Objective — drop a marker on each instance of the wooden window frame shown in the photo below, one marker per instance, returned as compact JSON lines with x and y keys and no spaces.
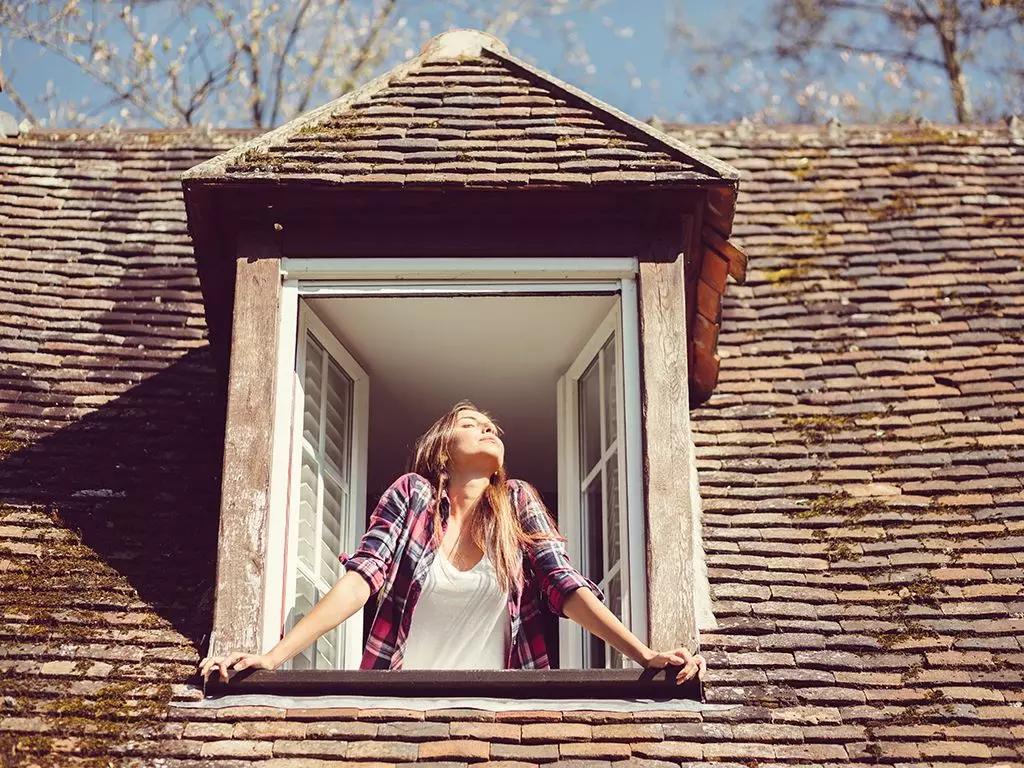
{"x":265,"y":316}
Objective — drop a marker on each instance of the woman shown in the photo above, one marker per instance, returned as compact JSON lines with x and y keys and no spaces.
{"x":461,"y":558}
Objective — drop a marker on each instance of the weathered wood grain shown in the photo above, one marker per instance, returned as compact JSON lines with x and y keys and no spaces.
{"x":668,"y":444}
{"x":248,"y":450}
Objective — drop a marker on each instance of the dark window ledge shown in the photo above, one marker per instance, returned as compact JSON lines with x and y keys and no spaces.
{"x":507,"y":684}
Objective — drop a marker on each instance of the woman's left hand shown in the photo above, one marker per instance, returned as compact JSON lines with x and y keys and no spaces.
{"x":691,"y":663}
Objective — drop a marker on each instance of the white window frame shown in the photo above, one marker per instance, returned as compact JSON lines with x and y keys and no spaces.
{"x":634,"y":583}
{"x":282,"y":530}
{"x":324,"y":277}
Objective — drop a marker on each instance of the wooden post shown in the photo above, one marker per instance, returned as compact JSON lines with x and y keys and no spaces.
{"x":248,"y":450}
{"x":668,"y":444}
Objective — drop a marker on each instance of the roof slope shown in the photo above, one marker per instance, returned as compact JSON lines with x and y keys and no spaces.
{"x":466,"y":112}
{"x":860,"y":465}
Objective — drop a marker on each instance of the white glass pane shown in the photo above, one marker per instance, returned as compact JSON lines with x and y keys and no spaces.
{"x":308,"y":483}
{"x":614,"y":595}
{"x":612,"y":507}
{"x":593,"y":515}
{"x":327,"y":649}
{"x":590,"y":418}
{"x":311,"y":385}
{"x":610,"y":391}
{"x":337,"y":417}
{"x":305,"y":599}
{"x":331,"y":532}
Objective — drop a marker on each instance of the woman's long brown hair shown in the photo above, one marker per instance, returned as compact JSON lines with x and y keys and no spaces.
{"x":497,"y":531}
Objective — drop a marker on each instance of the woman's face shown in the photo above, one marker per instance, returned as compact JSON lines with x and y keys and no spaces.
{"x":475,"y":443}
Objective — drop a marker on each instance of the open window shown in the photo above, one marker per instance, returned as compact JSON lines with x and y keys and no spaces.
{"x":328,"y":485}
{"x":377,"y":360}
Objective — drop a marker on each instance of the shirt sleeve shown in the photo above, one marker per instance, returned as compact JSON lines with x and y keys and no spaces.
{"x":379,"y":544}
{"x":550,"y":562}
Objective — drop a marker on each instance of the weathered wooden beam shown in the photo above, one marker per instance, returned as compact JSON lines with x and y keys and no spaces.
{"x":510,"y":683}
{"x":709,"y":302}
{"x":668,"y":442}
{"x":248,"y":449}
{"x":735,"y":255}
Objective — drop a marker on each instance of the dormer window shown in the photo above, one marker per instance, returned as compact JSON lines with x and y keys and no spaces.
{"x":367,"y":244}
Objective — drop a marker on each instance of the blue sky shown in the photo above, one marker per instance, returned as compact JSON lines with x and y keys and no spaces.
{"x":632,"y":66}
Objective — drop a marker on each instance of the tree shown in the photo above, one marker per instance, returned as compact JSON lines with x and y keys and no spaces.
{"x":879,"y":59}
{"x":174,"y":63}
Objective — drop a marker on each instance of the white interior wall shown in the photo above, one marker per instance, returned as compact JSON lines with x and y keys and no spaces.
{"x":505,"y":353}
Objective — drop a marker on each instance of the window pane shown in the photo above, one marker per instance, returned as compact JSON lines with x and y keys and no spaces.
{"x":311,"y":384}
{"x":327,"y":650}
{"x":308,"y":484}
{"x":597,"y":652}
{"x":590,"y":418}
{"x":610,"y":392}
{"x":331,"y":533}
{"x":614,"y":595}
{"x":339,"y":404}
{"x":305,"y":599}
{"x":612,"y":502}
{"x":594,"y":516}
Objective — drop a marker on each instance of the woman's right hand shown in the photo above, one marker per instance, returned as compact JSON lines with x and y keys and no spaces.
{"x":237,"y":661}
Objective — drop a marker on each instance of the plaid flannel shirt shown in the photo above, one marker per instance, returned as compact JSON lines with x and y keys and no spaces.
{"x":398,"y":548}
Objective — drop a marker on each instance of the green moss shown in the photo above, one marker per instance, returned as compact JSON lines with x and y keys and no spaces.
{"x":262,"y":161}
{"x":803,"y":171}
{"x":928,"y":135}
{"x":818,"y":429}
{"x":9,"y":444}
{"x":776,"y":276}
{"x":899,"y":205}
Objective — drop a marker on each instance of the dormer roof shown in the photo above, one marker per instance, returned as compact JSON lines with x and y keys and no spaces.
{"x":466,"y":112}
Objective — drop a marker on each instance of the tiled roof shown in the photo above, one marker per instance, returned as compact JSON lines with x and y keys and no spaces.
{"x":466,"y":116}
{"x":860,"y":465}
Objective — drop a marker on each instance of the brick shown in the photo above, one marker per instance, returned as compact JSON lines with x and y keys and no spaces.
{"x":966,"y":749}
{"x":278,"y":729}
{"x":310,"y":748}
{"x":739,"y":751}
{"x":811,"y":752}
{"x":327,"y":713}
{"x":465,"y":715}
{"x":251,"y":713}
{"x":508,"y":732}
{"x":528,"y":752}
{"x":244,"y":749}
{"x":594,"y":750}
{"x":766,"y":732}
{"x":807,"y":716}
{"x":341,"y":730}
{"x":456,"y":749}
{"x":391,"y":751}
{"x":632,"y":732}
{"x":543,"y":732}
{"x":208,"y":730}
{"x":412,"y":731}
{"x":669,"y":750}
{"x":529,"y":716}
{"x":390,"y":715}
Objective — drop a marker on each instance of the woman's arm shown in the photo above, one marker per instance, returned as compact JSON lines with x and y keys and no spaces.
{"x":590,"y":613}
{"x":347,"y":596}
{"x":366,"y":571}
{"x":344,"y":599}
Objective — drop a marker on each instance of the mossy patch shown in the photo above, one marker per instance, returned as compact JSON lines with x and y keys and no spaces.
{"x":9,"y":444}
{"x":818,"y":429}
{"x":264,"y":161}
{"x":776,"y":276}
{"x":928,"y":135}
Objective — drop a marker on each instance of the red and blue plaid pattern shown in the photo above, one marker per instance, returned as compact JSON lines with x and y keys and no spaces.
{"x":398,"y":548}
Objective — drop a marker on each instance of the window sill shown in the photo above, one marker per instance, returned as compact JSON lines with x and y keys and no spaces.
{"x":509,"y":683}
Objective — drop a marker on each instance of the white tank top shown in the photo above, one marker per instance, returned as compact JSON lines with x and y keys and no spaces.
{"x":460,"y":620}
